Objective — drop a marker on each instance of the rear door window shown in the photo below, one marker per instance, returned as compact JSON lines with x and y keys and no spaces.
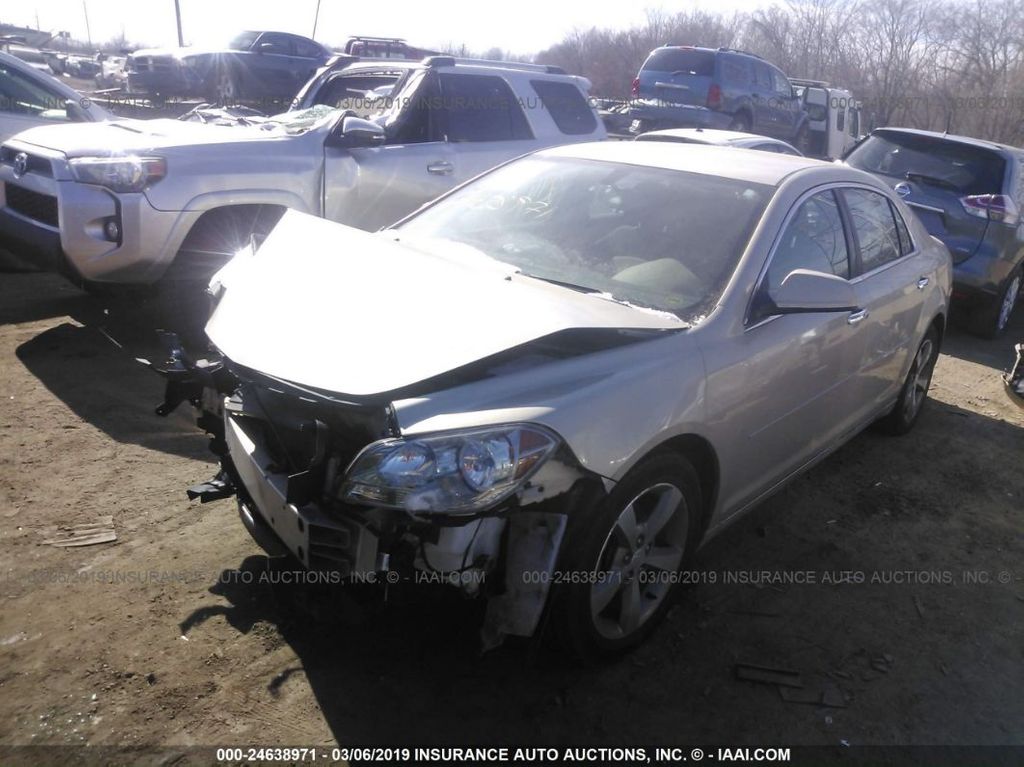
{"x":482,"y":108}
{"x":874,"y":228}
{"x":306,"y":49}
{"x":681,"y":60}
{"x":906,"y":244}
{"x":736,"y":71}
{"x":567,"y":107}
{"x":275,"y":43}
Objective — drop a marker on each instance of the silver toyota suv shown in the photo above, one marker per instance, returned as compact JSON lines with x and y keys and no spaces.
{"x":130,"y":201}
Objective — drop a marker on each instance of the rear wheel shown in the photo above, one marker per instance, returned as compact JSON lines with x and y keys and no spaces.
{"x":915,"y":387}
{"x":627,"y":558}
{"x":991,"y":320}
{"x":741,"y":122}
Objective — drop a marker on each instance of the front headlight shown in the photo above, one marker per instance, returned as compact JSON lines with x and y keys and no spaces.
{"x":456,"y":472}
{"x":120,"y":174}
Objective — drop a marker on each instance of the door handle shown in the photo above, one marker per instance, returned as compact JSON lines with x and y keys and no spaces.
{"x":440,"y":168}
{"x":922,"y":283}
{"x":858,"y":316}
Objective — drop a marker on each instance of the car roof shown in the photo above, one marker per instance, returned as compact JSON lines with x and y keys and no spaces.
{"x":708,"y":136}
{"x":969,"y":140}
{"x":748,"y":165}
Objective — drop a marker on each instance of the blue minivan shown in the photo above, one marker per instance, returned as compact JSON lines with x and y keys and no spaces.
{"x":686,"y":86}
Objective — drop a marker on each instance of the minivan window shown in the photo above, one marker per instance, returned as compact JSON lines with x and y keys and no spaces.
{"x":932,"y":161}
{"x":567,"y":107}
{"x":682,"y":60}
{"x":654,"y":237}
{"x":873,"y":227}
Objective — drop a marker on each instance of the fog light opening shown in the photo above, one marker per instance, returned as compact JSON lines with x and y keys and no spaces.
{"x":112,"y":230}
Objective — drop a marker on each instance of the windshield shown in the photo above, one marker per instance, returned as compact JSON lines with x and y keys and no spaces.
{"x":931,"y":160}
{"x":652,"y":237}
{"x":301,"y":120}
{"x":242,"y":41}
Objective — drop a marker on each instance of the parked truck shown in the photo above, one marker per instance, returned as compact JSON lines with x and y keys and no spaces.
{"x":834,"y":118}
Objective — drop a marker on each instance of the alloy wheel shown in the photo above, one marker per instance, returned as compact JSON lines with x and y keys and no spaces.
{"x":638,"y":561}
{"x":919,"y":380}
{"x":1009,"y":300}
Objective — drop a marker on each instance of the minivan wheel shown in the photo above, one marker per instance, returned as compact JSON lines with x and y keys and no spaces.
{"x":915,"y":388}
{"x":991,"y":320}
{"x":621,"y":565}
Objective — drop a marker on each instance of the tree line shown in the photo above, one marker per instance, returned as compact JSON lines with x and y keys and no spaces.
{"x":955,"y":65}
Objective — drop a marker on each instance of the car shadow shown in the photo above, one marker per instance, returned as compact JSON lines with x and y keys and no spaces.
{"x":107,"y":388}
{"x":400,"y":669}
{"x":994,"y":353}
{"x":409,"y":670}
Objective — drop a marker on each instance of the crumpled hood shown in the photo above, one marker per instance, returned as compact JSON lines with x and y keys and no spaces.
{"x":116,"y":137}
{"x":337,"y":309}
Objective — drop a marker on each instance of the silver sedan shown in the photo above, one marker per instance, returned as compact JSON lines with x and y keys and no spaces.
{"x":566,"y":374}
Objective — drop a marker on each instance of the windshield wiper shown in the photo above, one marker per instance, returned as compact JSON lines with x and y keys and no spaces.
{"x":561,"y":283}
{"x":931,"y":180}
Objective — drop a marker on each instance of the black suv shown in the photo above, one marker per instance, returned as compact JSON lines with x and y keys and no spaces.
{"x":968,"y":193}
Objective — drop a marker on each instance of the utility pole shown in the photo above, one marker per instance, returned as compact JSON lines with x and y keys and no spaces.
{"x":177,"y":17}
{"x":316,"y":19}
{"x":88,"y":32}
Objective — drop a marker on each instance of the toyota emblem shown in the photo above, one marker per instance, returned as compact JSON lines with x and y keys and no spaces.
{"x":20,"y":164}
{"x":902,"y":189}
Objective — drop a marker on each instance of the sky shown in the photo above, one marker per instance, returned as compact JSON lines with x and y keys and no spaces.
{"x":520,"y":26}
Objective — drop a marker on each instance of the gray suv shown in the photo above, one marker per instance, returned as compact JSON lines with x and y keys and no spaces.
{"x":967,"y":192}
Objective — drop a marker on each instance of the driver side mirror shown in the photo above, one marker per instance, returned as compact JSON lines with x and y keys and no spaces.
{"x":353,"y":132}
{"x":805,"y":291}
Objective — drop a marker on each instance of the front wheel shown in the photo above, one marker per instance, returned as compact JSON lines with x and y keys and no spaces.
{"x":622,"y":564}
{"x":915,"y":387}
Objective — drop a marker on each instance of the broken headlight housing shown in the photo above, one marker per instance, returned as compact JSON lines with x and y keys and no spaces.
{"x":119,"y":174}
{"x":455,"y":472}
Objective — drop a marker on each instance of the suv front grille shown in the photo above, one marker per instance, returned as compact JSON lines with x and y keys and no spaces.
{"x":39,"y":207}
{"x":35,"y":164}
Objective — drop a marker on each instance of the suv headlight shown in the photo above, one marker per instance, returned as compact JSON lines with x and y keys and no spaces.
{"x":454,"y":472}
{"x":120,"y":174}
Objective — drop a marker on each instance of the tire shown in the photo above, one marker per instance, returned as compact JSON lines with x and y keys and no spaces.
{"x":991,"y":320}
{"x":915,"y":388}
{"x":614,"y":614}
{"x":802,"y":141}
{"x":226,"y":88}
{"x":741,"y":122}
{"x":179,"y":296}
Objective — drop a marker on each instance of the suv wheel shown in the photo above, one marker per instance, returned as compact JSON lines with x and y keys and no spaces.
{"x":991,"y":320}
{"x":625,"y":559}
{"x":741,"y":122}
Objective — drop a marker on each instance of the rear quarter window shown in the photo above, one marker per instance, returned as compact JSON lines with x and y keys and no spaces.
{"x":567,"y":107}
{"x":687,"y":62}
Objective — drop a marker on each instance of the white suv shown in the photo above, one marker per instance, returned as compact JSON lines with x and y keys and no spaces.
{"x":121,"y":202}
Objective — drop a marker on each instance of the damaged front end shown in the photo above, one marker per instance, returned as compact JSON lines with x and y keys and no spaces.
{"x":333,"y":483}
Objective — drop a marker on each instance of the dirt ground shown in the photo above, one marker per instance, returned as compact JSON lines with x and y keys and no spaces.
{"x":172,"y":635}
